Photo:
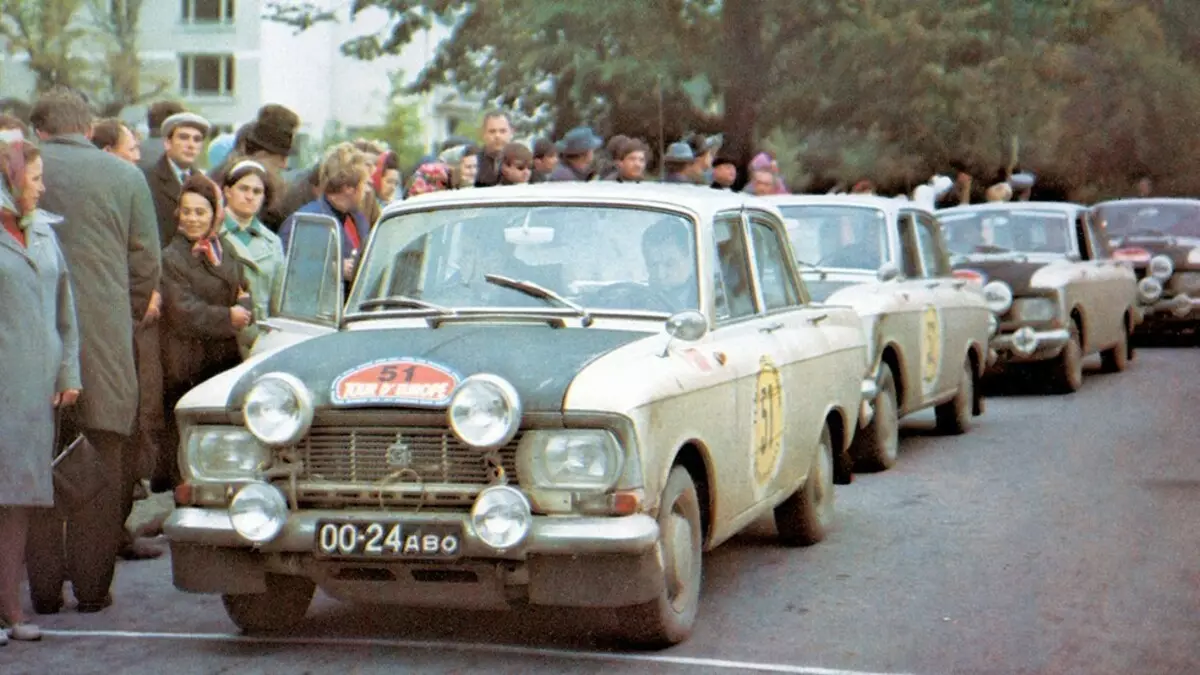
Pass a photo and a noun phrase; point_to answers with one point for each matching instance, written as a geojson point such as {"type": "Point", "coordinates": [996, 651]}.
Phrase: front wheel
{"type": "Point", "coordinates": [876, 447]}
{"type": "Point", "coordinates": [1067, 370]}
{"type": "Point", "coordinates": [804, 518]}
{"type": "Point", "coordinates": [954, 416]}
{"type": "Point", "coordinates": [280, 608]}
{"type": "Point", "coordinates": [1116, 358]}
{"type": "Point", "coordinates": [668, 619]}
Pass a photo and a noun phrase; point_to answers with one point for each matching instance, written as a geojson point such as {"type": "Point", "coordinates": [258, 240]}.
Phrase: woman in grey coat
{"type": "Point", "coordinates": [39, 365]}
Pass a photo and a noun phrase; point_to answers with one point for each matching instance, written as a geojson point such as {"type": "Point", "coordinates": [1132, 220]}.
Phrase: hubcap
{"type": "Point", "coordinates": [823, 483]}
{"type": "Point", "coordinates": [887, 426]}
{"type": "Point", "coordinates": [680, 559]}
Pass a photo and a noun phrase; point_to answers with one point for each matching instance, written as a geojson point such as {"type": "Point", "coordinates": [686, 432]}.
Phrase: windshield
{"type": "Point", "coordinates": [851, 237]}
{"type": "Point", "coordinates": [600, 258]}
{"type": "Point", "coordinates": [998, 231]}
{"type": "Point", "coordinates": [1157, 219]}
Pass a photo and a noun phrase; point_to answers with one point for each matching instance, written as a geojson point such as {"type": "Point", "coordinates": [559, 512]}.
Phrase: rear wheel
{"type": "Point", "coordinates": [804, 518]}
{"type": "Point", "coordinates": [876, 447]}
{"type": "Point", "coordinates": [954, 416]}
{"type": "Point", "coordinates": [280, 608]}
{"type": "Point", "coordinates": [668, 619]}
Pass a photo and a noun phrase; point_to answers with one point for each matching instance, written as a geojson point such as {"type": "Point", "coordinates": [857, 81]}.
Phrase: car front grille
{"type": "Point", "coordinates": [386, 467]}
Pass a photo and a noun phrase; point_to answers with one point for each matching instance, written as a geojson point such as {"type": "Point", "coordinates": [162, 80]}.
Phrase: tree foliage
{"type": "Point", "coordinates": [1088, 93]}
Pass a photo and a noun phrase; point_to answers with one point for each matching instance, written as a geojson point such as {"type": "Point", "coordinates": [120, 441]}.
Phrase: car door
{"type": "Point", "coordinates": [802, 338]}
{"type": "Point", "coordinates": [922, 322]}
{"type": "Point", "coordinates": [310, 301]}
{"type": "Point", "coordinates": [1118, 278]}
{"type": "Point", "coordinates": [743, 334]}
{"type": "Point", "coordinates": [1097, 288]}
{"type": "Point", "coordinates": [962, 314]}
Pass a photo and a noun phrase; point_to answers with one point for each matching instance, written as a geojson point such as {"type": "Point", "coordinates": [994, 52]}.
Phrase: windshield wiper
{"type": "Point", "coordinates": [403, 301]}
{"type": "Point", "coordinates": [816, 268]}
{"type": "Point", "coordinates": [540, 292]}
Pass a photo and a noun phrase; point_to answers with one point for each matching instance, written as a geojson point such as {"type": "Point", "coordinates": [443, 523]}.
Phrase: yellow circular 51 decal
{"type": "Point", "coordinates": [931, 346]}
{"type": "Point", "coordinates": [768, 419]}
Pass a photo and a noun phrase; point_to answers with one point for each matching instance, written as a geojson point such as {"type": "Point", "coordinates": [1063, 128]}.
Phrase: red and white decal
{"type": "Point", "coordinates": [1132, 254]}
{"type": "Point", "coordinates": [970, 276]}
{"type": "Point", "coordinates": [700, 361]}
{"type": "Point", "coordinates": [413, 382]}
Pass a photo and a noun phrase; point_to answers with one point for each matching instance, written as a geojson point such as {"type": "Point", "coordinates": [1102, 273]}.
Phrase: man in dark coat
{"type": "Point", "coordinates": [109, 238]}
{"type": "Point", "coordinates": [183, 138]}
{"type": "Point", "coordinates": [497, 133]}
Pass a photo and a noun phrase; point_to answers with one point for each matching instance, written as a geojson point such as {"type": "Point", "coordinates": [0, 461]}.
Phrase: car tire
{"type": "Point", "coordinates": [876, 447]}
{"type": "Point", "coordinates": [954, 416]}
{"type": "Point", "coordinates": [804, 518]}
{"type": "Point", "coordinates": [1116, 359]}
{"type": "Point", "coordinates": [1067, 369]}
{"type": "Point", "coordinates": [280, 608]}
{"type": "Point", "coordinates": [668, 619]}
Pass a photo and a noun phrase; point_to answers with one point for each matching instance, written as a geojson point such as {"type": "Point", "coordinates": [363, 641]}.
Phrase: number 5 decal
{"type": "Point", "coordinates": [931, 348]}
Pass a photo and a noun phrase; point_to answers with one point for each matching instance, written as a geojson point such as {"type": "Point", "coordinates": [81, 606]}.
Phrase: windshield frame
{"type": "Point", "coordinates": [946, 218]}
{"type": "Point", "coordinates": [700, 237]}
{"type": "Point", "coordinates": [888, 222]}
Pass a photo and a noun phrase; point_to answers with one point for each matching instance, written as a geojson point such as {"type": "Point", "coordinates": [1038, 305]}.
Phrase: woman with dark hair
{"type": "Point", "coordinates": [385, 178]}
{"type": "Point", "coordinates": [202, 287]}
{"type": "Point", "coordinates": [39, 371]}
{"type": "Point", "coordinates": [259, 250]}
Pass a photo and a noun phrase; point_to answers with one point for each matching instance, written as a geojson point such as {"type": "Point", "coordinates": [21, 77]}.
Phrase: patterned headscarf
{"type": "Point", "coordinates": [429, 177]}
{"type": "Point", "coordinates": [13, 179]}
{"type": "Point", "coordinates": [208, 245]}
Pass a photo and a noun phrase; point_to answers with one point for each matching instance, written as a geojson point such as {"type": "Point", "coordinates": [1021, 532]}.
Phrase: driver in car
{"type": "Point", "coordinates": [667, 250]}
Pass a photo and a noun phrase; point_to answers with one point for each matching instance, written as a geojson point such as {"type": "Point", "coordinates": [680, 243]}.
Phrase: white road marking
{"type": "Point", "coordinates": [567, 654]}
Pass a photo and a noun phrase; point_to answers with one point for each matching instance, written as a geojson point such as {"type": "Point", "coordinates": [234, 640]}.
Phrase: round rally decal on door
{"type": "Point", "coordinates": [413, 382]}
{"type": "Point", "coordinates": [768, 420]}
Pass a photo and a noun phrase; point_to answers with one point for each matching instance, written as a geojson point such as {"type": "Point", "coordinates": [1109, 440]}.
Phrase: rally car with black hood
{"type": "Point", "coordinates": [1048, 275]}
{"type": "Point", "coordinates": [927, 332]}
{"type": "Point", "coordinates": [1161, 239]}
{"type": "Point", "coordinates": [556, 394]}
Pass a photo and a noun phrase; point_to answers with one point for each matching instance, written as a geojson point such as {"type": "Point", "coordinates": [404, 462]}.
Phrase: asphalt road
{"type": "Point", "coordinates": [1062, 535]}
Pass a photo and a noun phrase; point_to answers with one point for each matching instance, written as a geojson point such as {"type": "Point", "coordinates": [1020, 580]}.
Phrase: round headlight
{"type": "Point", "coordinates": [1149, 289]}
{"type": "Point", "coordinates": [1025, 340]}
{"type": "Point", "coordinates": [1183, 305]}
{"type": "Point", "coordinates": [998, 296]}
{"type": "Point", "coordinates": [1161, 267]}
{"type": "Point", "coordinates": [501, 517]}
{"type": "Point", "coordinates": [993, 324]}
{"type": "Point", "coordinates": [258, 512]}
{"type": "Point", "coordinates": [485, 411]}
{"type": "Point", "coordinates": [278, 409]}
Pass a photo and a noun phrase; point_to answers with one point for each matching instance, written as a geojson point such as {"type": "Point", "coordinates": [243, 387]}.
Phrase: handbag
{"type": "Point", "coordinates": [78, 473]}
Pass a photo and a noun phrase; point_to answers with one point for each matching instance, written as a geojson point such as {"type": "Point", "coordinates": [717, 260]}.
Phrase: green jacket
{"type": "Point", "coordinates": [262, 262]}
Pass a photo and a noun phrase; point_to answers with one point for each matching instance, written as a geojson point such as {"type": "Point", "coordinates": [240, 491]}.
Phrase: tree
{"type": "Point", "coordinates": [116, 23]}
{"type": "Point", "coordinates": [47, 34]}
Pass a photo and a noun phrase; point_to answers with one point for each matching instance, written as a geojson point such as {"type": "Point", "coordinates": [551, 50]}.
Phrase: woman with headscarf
{"type": "Point", "coordinates": [204, 304]}
{"type": "Point", "coordinates": [39, 366]}
{"type": "Point", "coordinates": [259, 250]}
{"type": "Point", "coordinates": [429, 177]}
{"type": "Point", "coordinates": [763, 161]}
{"type": "Point", "coordinates": [385, 178]}
{"type": "Point", "coordinates": [462, 161]}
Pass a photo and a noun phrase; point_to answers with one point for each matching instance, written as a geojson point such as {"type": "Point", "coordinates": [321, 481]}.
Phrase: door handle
{"type": "Point", "coordinates": [817, 319]}
{"type": "Point", "coordinates": [960, 284]}
{"type": "Point", "coordinates": [771, 328]}
{"type": "Point", "coordinates": [933, 284]}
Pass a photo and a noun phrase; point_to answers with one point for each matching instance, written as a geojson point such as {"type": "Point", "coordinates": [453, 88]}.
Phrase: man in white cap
{"type": "Point", "coordinates": [1022, 185]}
{"type": "Point", "coordinates": [183, 139]}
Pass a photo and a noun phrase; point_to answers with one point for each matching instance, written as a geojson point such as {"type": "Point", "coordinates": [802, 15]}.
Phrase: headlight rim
{"type": "Point", "coordinates": [192, 457]}
{"type": "Point", "coordinates": [1020, 309]}
{"type": "Point", "coordinates": [1163, 262]}
{"type": "Point", "coordinates": [507, 392]}
{"type": "Point", "coordinates": [531, 460]}
{"type": "Point", "coordinates": [1147, 297]}
{"type": "Point", "coordinates": [1001, 307]}
{"type": "Point", "coordinates": [304, 403]}
{"type": "Point", "coordinates": [274, 497]}
{"type": "Point", "coordinates": [527, 517]}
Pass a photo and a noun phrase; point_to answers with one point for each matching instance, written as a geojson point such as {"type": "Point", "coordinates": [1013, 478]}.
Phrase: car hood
{"type": "Point", "coordinates": [540, 361]}
{"type": "Point", "coordinates": [1017, 273]}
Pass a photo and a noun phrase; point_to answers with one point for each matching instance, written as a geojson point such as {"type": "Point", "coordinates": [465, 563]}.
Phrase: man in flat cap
{"type": "Point", "coordinates": [578, 150]}
{"type": "Point", "coordinates": [678, 160]}
{"type": "Point", "coordinates": [183, 139]}
{"type": "Point", "coordinates": [1022, 185]}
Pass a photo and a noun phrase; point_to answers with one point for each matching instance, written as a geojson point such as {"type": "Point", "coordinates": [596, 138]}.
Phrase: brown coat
{"type": "Point", "coordinates": [198, 339]}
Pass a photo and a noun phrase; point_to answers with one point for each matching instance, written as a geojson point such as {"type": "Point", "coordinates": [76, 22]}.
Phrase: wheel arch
{"type": "Point", "coordinates": [840, 430]}
{"type": "Point", "coordinates": [892, 357]}
{"type": "Point", "coordinates": [693, 456]}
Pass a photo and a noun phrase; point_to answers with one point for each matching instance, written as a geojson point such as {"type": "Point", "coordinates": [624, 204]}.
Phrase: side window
{"type": "Point", "coordinates": [910, 259]}
{"type": "Point", "coordinates": [1081, 236]}
{"type": "Point", "coordinates": [775, 278]}
{"type": "Point", "coordinates": [312, 277]}
{"type": "Point", "coordinates": [732, 294]}
{"type": "Point", "coordinates": [1099, 237]}
{"type": "Point", "coordinates": [934, 257]}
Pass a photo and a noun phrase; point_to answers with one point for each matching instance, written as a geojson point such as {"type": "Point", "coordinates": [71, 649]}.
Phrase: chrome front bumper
{"type": "Point", "coordinates": [550, 535]}
{"type": "Point", "coordinates": [1015, 347]}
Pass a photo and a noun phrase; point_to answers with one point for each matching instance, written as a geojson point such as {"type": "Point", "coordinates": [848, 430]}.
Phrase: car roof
{"type": "Point", "coordinates": [887, 204]}
{"type": "Point", "coordinates": [701, 200]}
{"type": "Point", "coordinates": [1069, 208]}
{"type": "Point", "coordinates": [1148, 201]}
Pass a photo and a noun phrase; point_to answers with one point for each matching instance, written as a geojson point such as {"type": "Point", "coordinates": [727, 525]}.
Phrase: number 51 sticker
{"type": "Point", "coordinates": [413, 382]}
{"type": "Point", "coordinates": [768, 420]}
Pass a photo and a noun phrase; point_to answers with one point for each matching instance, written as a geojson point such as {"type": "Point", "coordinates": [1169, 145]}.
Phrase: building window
{"type": "Point", "coordinates": [207, 11]}
{"type": "Point", "coordinates": [206, 74]}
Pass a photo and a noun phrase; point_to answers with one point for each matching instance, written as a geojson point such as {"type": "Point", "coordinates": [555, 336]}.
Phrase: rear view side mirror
{"type": "Point", "coordinates": [887, 272]}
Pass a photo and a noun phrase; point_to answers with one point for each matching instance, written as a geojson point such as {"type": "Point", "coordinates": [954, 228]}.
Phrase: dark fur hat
{"type": "Point", "coordinates": [273, 130]}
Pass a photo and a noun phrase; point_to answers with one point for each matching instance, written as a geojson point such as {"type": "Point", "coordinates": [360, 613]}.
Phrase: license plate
{"type": "Point", "coordinates": [388, 540]}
